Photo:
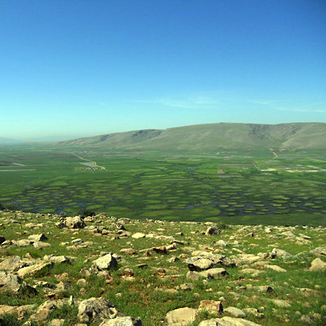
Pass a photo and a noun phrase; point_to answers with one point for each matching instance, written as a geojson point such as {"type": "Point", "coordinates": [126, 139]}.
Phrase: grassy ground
{"type": "Point", "coordinates": [162, 284]}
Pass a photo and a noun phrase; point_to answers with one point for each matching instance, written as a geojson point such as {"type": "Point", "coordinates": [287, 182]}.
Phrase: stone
{"type": "Point", "coordinates": [211, 306]}
{"type": "Point", "coordinates": [212, 230]}
{"type": "Point", "coordinates": [214, 273]}
{"type": "Point", "coordinates": [105, 262]}
{"type": "Point", "coordinates": [276, 268]}
{"type": "Point", "coordinates": [138, 235]}
{"type": "Point", "coordinates": [2, 239]}
{"type": "Point", "coordinates": [74, 222]}
{"type": "Point", "coordinates": [231, 321]}
{"type": "Point", "coordinates": [317, 265]}
{"type": "Point", "coordinates": [122, 321]}
{"type": "Point", "coordinates": [96, 308]}
{"type": "Point", "coordinates": [181, 316]}
{"type": "Point", "coordinates": [38, 237]}
{"type": "Point", "coordinates": [57, 259]}
{"type": "Point", "coordinates": [235, 312]}
{"type": "Point", "coordinates": [12, 264]}
{"type": "Point", "coordinates": [281, 303]}
{"type": "Point", "coordinates": [13, 283]}
{"type": "Point", "coordinates": [280, 253]}
{"type": "Point", "coordinates": [199, 264]}
{"type": "Point", "coordinates": [320, 251]}
{"type": "Point", "coordinates": [211, 322]}
{"type": "Point", "coordinates": [221, 243]}
{"type": "Point", "coordinates": [56, 322]}
{"type": "Point", "coordinates": [33, 269]}
{"type": "Point", "coordinates": [21, 311]}
{"type": "Point", "coordinates": [41, 244]}
{"type": "Point", "coordinates": [44, 310]}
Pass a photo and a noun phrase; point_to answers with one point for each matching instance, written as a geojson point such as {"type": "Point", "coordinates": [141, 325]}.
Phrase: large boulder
{"type": "Point", "coordinates": [122, 321]}
{"type": "Point", "coordinates": [74, 222]}
{"type": "Point", "coordinates": [96, 308]}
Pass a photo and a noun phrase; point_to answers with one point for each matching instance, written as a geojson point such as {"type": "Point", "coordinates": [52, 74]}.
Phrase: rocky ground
{"type": "Point", "coordinates": [105, 270]}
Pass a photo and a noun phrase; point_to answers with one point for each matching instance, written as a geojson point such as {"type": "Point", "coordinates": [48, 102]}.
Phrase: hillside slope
{"type": "Point", "coordinates": [211, 137]}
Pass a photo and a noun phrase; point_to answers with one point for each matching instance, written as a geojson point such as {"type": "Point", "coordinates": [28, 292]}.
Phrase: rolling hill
{"type": "Point", "coordinates": [212, 137]}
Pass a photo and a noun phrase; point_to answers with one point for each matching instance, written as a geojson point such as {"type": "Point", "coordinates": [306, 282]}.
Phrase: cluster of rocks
{"type": "Point", "coordinates": [207, 254]}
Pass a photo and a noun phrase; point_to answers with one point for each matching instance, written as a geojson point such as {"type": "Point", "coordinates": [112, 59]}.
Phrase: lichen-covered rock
{"type": "Point", "coordinates": [38, 237]}
{"type": "Point", "coordinates": [13, 264]}
{"type": "Point", "coordinates": [96, 308]}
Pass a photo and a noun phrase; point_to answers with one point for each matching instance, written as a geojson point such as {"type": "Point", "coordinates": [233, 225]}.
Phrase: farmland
{"type": "Point", "coordinates": [229, 186]}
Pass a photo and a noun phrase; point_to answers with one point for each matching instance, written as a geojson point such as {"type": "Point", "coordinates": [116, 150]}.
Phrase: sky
{"type": "Point", "coordinates": [73, 68]}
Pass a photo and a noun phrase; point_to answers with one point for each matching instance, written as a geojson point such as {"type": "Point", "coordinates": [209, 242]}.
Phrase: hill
{"type": "Point", "coordinates": [108, 271]}
{"type": "Point", "coordinates": [212, 137]}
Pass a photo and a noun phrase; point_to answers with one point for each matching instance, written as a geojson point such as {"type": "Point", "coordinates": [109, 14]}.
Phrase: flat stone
{"type": "Point", "coordinates": [33, 269]}
{"type": "Point", "coordinates": [276, 268]}
{"type": "Point", "coordinates": [231, 321]}
{"type": "Point", "coordinates": [235, 312]}
{"type": "Point", "coordinates": [138, 235]}
{"type": "Point", "coordinates": [214, 273]}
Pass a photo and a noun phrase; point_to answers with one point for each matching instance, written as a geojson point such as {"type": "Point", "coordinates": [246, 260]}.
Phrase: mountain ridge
{"type": "Point", "coordinates": [213, 136]}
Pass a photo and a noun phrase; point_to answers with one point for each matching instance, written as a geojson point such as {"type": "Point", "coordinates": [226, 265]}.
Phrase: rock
{"type": "Point", "coordinates": [320, 251]}
{"type": "Point", "coordinates": [276, 268]}
{"type": "Point", "coordinates": [105, 262]}
{"type": "Point", "coordinates": [13, 283]}
{"type": "Point", "coordinates": [181, 316]}
{"type": "Point", "coordinates": [264, 289]}
{"type": "Point", "coordinates": [57, 259]}
{"type": "Point", "coordinates": [280, 253]}
{"type": "Point", "coordinates": [12, 264]}
{"type": "Point", "coordinates": [23, 242]}
{"type": "Point", "coordinates": [138, 235]}
{"type": "Point", "coordinates": [214, 273]}
{"type": "Point", "coordinates": [281, 303]}
{"type": "Point", "coordinates": [2, 239]}
{"type": "Point", "coordinates": [122, 321]}
{"type": "Point", "coordinates": [21, 311]}
{"type": "Point", "coordinates": [41, 244]}
{"type": "Point", "coordinates": [212, 230]}
{"type": "Point", "coordinates": [317, 265]}
{"type": "Point", "coordinates": [38, 237]}
{"type": "Point", "coordinates": [128, 251]}
{"type": "Point", "coordinates": [211, 322]}
{"type": "Point", "coordinates": [211, 306]}
{"type": "Point", "coordinates": [56, 322]}
{"type": "Point", "coordinates": [221, 243]}
{"type": "Point", "coordinates": [230, 321]}
{"type": "Point", "coordinates": [199, 264]}
{"type": "Point", "coordinates": [33, 269]}
{"type": "Point", "coordinates": [254, 312]}
{"type": "Point", "coordinates": [235, 312]}
{"type": "Point", "coordinates": [96, 308]}
{"type": "Point", "coordinates": [44, 310]}
{"type": "Point", "coordinates": [74, 222]}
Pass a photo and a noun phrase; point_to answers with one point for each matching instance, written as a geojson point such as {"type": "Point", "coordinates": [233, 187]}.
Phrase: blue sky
{"type": "Point", "coordinates": [82, 68]}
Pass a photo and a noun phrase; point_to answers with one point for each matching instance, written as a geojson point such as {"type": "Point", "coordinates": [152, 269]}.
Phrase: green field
{"type": "Point", "coordinates": [243, 187]}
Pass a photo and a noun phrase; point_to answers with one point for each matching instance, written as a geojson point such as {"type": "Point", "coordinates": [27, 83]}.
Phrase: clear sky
{"type": "Point", "coordinates": [75, 68]}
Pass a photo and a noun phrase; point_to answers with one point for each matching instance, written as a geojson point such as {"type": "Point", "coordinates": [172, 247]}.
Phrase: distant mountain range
{"type": "Point", "coordinates": [8, 141]}
{"type": "Point", "coordinates": [211, 137]}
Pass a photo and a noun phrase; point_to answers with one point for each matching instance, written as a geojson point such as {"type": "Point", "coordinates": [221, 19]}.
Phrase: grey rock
{"type": "Point", "coordinates": [13, 264]}
{"type": "Point", "coordinates": [181, 316]}
{"type": "Point", "coordinates": [74, 222]}
{"type": "Point", "coordinates": [105, 262]}
{"type": "Point", "coordinates": [235, 312]}
{"type": "Point", "coordinates": [33, 269]}
{"type": "Point", "coordinates": [199, 264]}
{"type": "Point", "coordinates": [13, 283]}
{"type": "Point", "coordinates": [280, 253]}
{"type": "Point", "coordinates": [122, 321]}
{"type": "Point", "coordinates": [317, 265]}
{"type": "Point", "coordinates": [214, 273]}
{"type": "Point", "coordinates": [38, 237]}
{"type": "Point", "coordinates": [212, 230]}
{"type": "Point", "coordinates": [96, 308]}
